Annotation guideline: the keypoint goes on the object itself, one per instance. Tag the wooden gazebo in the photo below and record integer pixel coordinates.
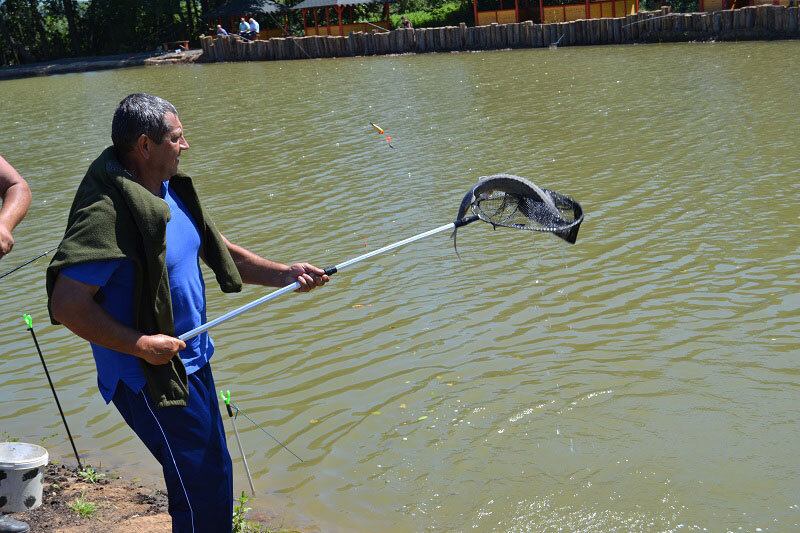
(340, 9)
(233, 10)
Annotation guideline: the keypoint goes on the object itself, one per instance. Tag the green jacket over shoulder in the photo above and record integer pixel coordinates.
(113, 217)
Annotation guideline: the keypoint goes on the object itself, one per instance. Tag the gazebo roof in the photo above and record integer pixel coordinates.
(310, 4)
(240, 7)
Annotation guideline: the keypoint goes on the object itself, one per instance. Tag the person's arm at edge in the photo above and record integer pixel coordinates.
(73, 304)
(257, 270)
(16, 198)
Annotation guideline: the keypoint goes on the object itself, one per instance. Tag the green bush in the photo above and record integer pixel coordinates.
(448, 14)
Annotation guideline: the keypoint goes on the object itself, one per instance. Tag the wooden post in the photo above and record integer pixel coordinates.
(475, 10)
(339, 10)
(516, 9)
(588, 15)
(327, 21)
(541, 12)
(386, 10)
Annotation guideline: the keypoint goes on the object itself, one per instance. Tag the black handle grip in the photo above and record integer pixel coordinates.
(230, 411)
(466, 220)
(331, 271)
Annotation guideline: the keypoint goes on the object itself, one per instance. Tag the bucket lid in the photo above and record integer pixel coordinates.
(14, 455)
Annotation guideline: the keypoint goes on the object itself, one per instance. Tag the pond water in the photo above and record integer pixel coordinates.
(645, 378)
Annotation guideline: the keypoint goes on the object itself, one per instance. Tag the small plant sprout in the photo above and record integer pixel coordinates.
(239, 514)
(83, 507)
(89, 474)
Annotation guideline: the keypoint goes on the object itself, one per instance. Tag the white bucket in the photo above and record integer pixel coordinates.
(21, 476)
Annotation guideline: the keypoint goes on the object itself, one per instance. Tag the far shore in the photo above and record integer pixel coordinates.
(89, 63)
(762, 22)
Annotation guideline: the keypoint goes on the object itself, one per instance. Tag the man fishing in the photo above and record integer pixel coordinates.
(127, 278)
(16, 198)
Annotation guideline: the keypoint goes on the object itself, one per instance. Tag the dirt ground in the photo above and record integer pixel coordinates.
(121, 505)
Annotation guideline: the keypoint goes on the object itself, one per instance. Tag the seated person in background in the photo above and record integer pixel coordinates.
(244, 28)
(405, 23)
(254, 28)
(221, 30)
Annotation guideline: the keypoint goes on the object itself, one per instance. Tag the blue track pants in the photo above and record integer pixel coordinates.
(189, 442)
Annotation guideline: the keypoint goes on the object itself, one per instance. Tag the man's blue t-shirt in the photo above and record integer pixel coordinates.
(115, 277)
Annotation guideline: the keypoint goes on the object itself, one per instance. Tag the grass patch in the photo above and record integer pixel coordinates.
(242, 525)
(83, 507)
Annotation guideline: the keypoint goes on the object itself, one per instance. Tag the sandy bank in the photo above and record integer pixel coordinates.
(85, 64)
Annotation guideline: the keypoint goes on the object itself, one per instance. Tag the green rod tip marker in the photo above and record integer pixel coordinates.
(28, 321)
(227, 401)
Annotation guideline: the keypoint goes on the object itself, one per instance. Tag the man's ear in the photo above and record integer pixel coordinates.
(143, 146)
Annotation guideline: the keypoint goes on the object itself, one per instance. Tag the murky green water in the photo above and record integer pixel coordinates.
(643, 379)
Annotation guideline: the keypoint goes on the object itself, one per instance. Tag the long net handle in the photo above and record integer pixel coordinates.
(329, 271)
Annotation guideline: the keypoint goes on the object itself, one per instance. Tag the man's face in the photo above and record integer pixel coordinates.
(164, 157)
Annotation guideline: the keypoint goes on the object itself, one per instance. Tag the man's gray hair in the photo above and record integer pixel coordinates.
(137, 114)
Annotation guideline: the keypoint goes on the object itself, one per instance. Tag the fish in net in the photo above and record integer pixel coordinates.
(512, 202)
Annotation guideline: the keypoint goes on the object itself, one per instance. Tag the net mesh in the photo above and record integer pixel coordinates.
(501, 202)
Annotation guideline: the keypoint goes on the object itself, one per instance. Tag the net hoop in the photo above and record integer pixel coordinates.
(509, 201)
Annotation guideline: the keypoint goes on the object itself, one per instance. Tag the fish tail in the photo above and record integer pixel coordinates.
(453, 236)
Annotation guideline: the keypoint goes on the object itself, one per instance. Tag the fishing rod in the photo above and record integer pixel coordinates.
(375, 25)
(555, 44)
(262, 429)
(286, 34)
(647, 20)
(28, 262)
(29, 323)
(227, 400)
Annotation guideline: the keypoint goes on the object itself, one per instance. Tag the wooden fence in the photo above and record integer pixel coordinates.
(749, 23)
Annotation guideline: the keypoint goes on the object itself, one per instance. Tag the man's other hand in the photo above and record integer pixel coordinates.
(307, 275)
(158, 349)
(6, 241)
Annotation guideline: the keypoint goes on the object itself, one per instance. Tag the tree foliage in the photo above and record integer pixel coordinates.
(37, 30)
